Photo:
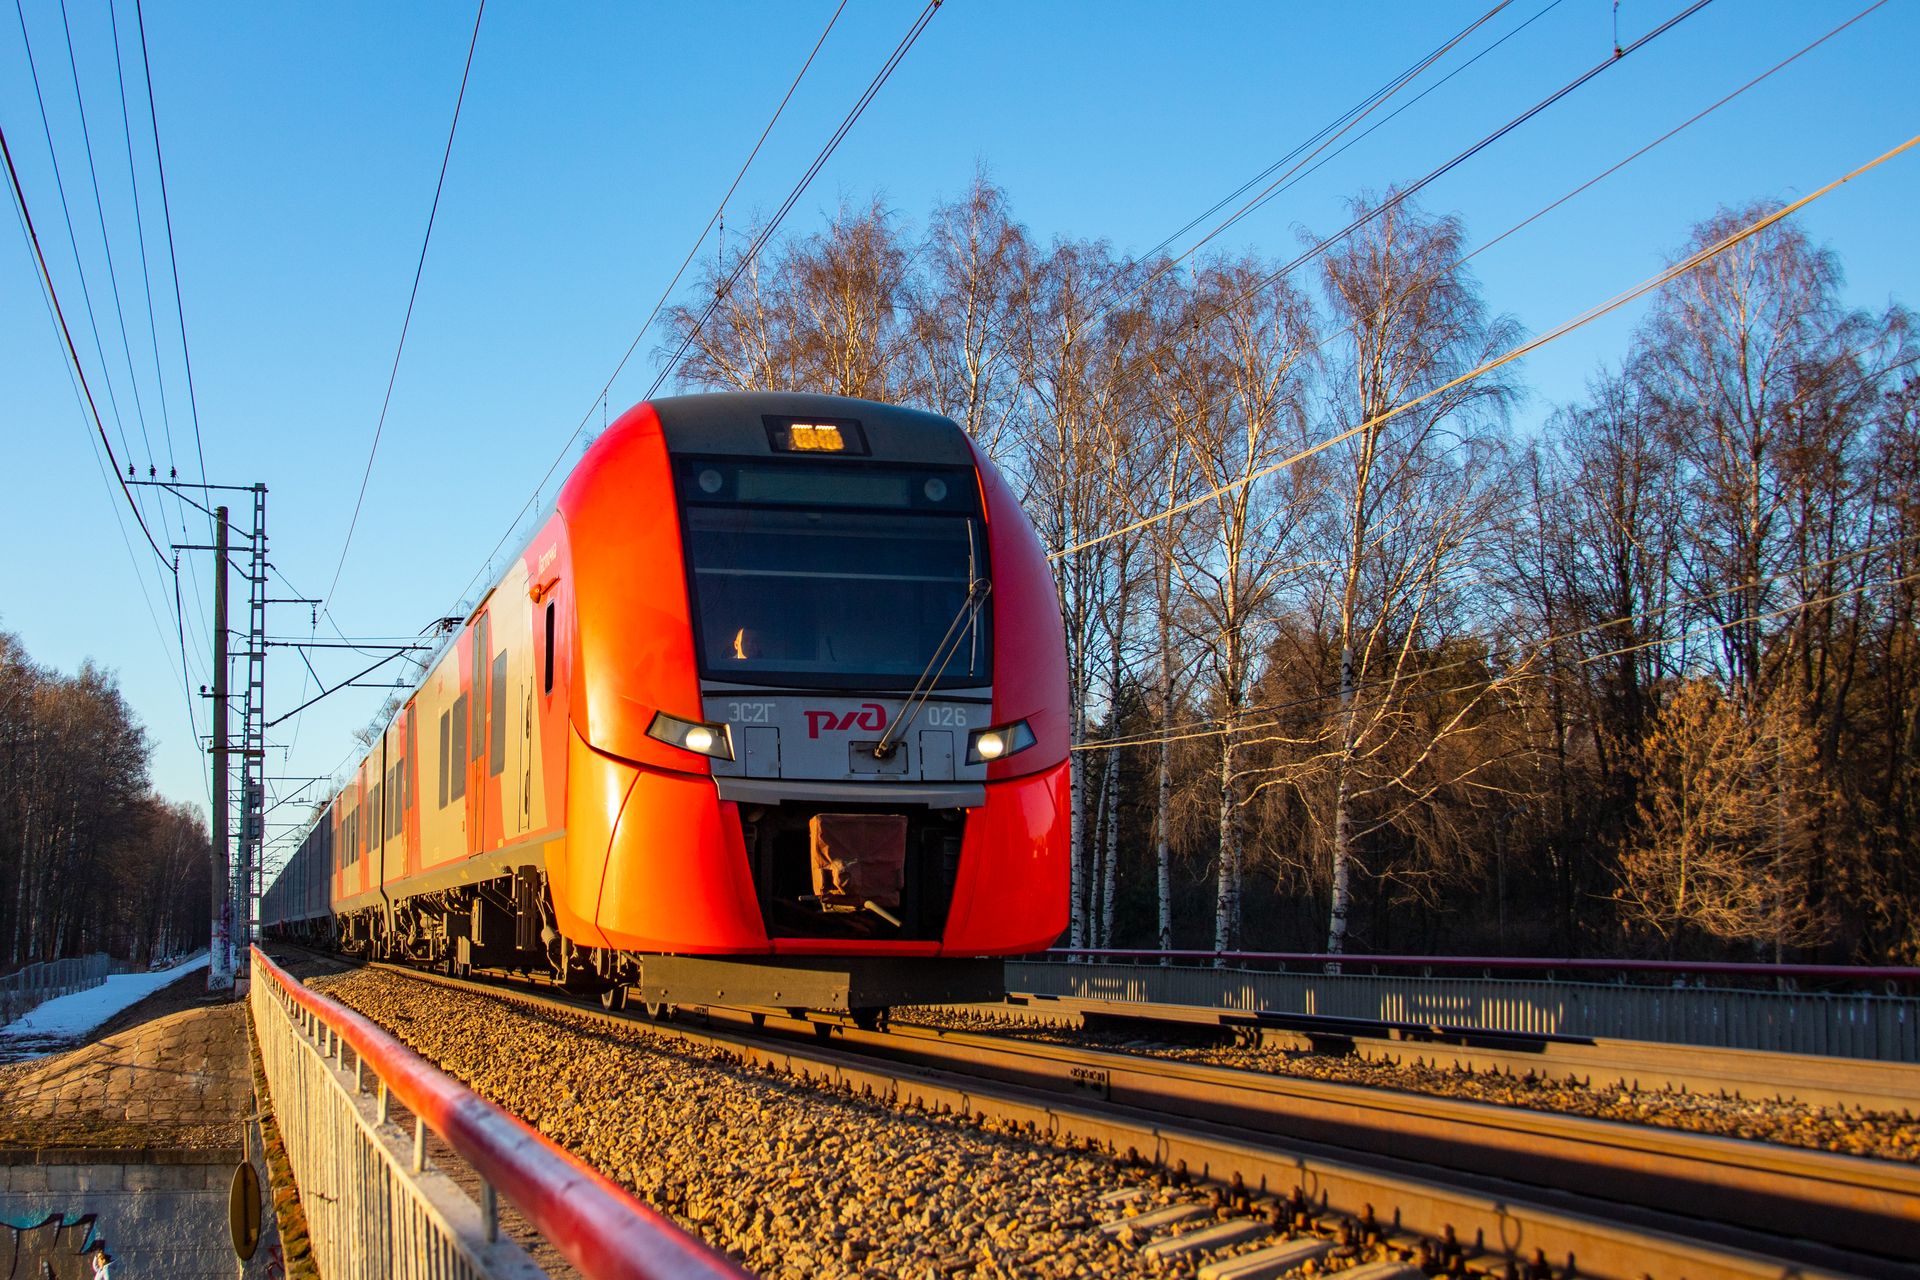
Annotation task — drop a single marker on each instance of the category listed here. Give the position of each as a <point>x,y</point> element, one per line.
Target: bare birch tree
<point>1410,495</point>
<point>1237,379</point>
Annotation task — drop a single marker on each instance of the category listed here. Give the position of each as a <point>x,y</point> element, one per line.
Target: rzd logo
<point>870,716</point>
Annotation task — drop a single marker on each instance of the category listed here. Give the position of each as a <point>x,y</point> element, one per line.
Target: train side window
<point>497,739</point>
<point>444,742</point>
<point>457,775</point>
<point>549,667</point>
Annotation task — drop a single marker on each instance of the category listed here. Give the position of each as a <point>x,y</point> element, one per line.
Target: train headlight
<point>690,735</point>
<point>998,742</point>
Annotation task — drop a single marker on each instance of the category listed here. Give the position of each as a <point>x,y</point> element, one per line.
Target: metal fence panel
<point>43,980</point>
<point>1845,1024</point>
<point>407,1225</point>
<point>374,1210</point>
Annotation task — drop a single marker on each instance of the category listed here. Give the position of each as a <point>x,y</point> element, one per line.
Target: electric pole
<point>220,967</point>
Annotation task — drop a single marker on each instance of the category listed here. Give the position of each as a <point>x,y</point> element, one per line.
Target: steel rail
<point>1904,975</point>
<point>1772,1190</point>
<point>1807,1079</point>
<point>1349,1148</point>
<point>591,1220</point>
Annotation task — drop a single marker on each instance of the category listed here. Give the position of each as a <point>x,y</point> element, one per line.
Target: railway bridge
<point>1120,1113</point>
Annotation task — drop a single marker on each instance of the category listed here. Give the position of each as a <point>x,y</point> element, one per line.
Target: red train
<point>771,710</point>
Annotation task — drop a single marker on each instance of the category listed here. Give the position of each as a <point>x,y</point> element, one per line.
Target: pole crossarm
<point>351,644</point>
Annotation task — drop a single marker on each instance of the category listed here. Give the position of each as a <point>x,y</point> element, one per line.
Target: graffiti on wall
<point>55,1248</point>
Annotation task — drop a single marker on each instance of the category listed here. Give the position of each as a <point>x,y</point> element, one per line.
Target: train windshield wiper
<point>969,615</point>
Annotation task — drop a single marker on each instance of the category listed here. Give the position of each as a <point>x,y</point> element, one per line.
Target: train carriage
<point>770,709</point>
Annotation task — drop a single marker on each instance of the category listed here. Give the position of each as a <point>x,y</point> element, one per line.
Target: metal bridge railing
<point>374,1207</point>
<point>1646,1002</point>
<point>45,979</point>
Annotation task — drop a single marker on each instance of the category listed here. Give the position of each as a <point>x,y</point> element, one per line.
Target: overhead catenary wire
<point>767,233</point>
<point>853,115</point>
<point>413,296</point>
<point>719,211</point>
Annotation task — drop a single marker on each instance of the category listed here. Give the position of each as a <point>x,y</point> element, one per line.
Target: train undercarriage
<point>507,924</point>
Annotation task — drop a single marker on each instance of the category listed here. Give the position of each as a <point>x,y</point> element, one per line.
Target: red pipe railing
<point>591,1220</point>
<point>1766,972</point>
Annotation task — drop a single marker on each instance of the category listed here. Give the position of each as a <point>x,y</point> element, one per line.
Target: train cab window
<point>850,579</point>
<point>549,663</point>
<point>457,773</point>
<point>497,738</point>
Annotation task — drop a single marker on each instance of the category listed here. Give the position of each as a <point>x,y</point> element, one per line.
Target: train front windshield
<point>835,576</point>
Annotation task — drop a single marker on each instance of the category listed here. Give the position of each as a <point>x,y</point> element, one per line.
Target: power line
<point>1401,194</point>
<point>20,199</point>
<point>120,526</point>
<point>153,325</point>
<point>1576,191</point>
<point>1512,354</point>
<point>73,239</point>
<point>173,261</point>
<point>1326,138</point>
<point>140,232</point>
<point>106,241</point>
<point>412,296</point>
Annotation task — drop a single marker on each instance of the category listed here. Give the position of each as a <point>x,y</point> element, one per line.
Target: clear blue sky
<point>302,144</point>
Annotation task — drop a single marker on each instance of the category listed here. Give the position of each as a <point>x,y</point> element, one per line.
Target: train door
<point>476,762</point>
<point>501,809</point>
<point>520,766</point>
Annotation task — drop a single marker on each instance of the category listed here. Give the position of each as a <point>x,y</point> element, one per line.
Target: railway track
<point>1513,1192</point>
<point>1864,1084</point>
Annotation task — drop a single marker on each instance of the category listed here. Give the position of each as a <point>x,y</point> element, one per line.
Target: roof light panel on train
<point>814,435</point>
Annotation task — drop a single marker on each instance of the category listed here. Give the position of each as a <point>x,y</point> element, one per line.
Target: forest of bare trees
<point>90,859</point>
<point>1361,657</point>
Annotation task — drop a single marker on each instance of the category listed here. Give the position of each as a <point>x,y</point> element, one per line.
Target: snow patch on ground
<point>69,1017</point>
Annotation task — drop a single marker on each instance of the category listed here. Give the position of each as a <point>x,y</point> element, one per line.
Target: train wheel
<point>613,999</point>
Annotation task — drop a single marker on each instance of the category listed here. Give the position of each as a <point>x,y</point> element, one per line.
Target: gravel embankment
<point>791,1179</point>
<point>1879,1135</point>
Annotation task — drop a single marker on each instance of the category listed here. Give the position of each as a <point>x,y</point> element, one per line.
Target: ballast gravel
<point>790,1178</point>
<point>1878,1135</point>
